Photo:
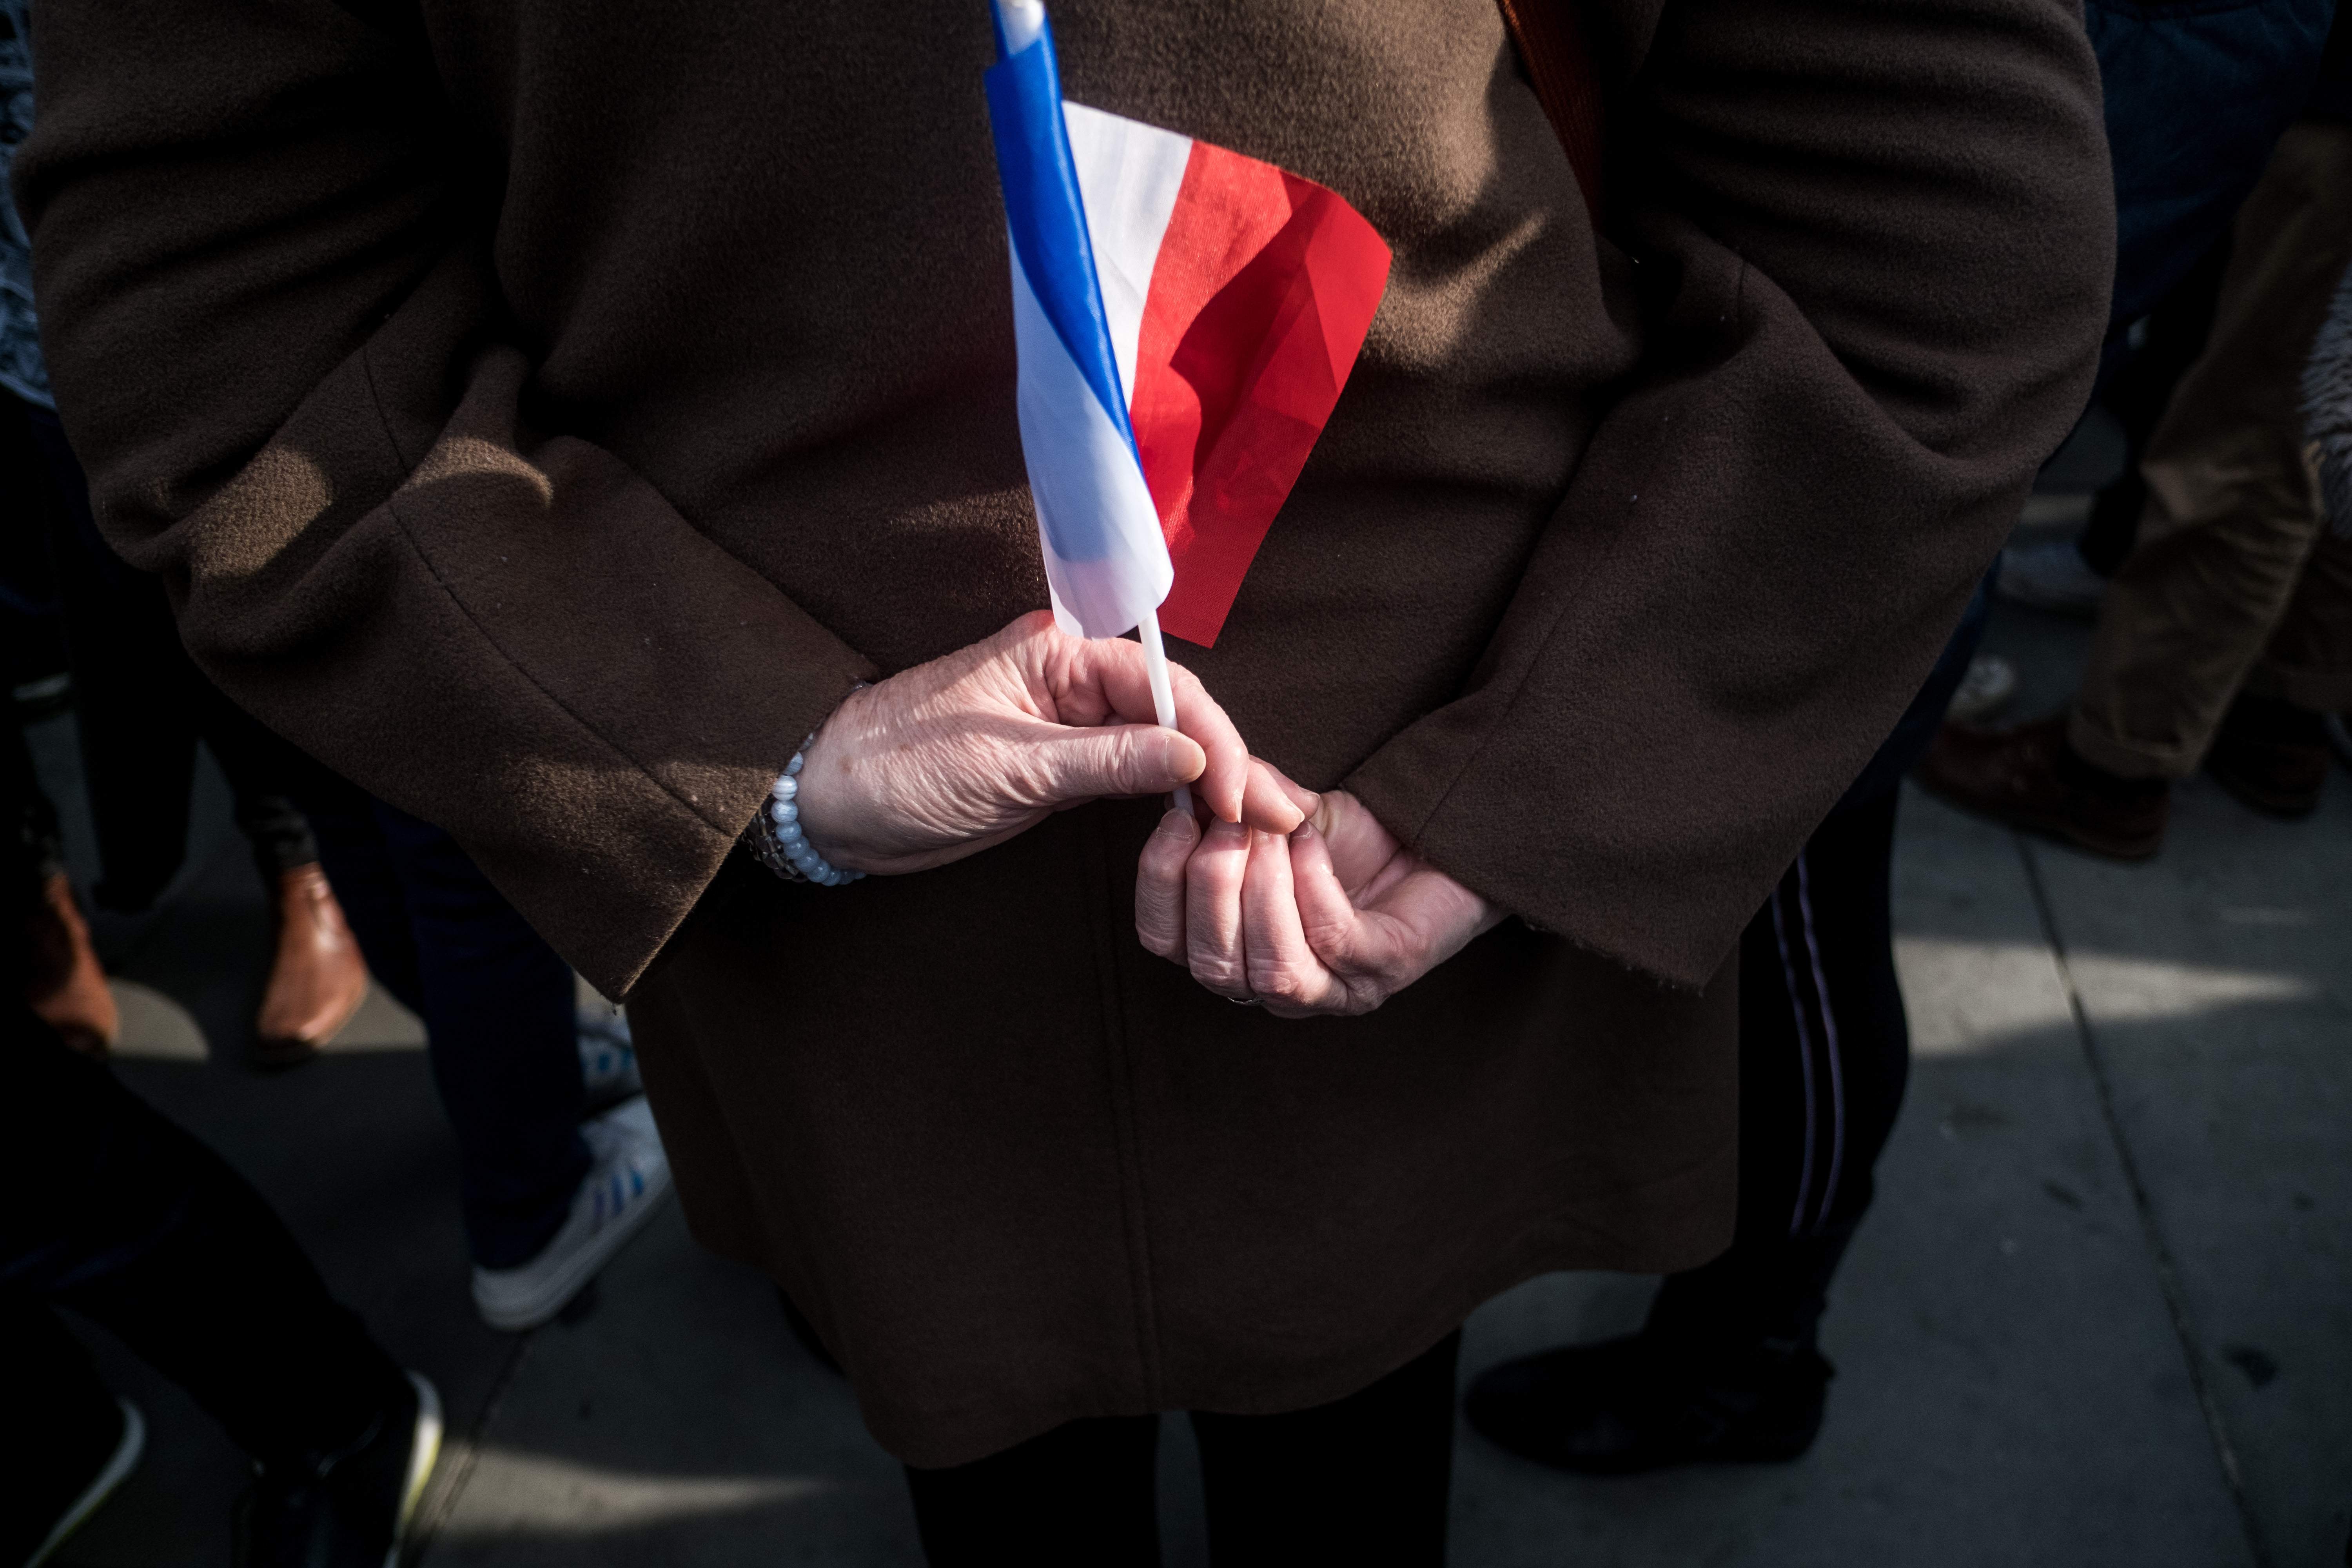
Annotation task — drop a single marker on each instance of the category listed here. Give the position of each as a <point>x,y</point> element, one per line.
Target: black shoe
<point>1628,1405</point>
<point>2271,755</point>
<point>351,1510</point>
<point>53,1485</point>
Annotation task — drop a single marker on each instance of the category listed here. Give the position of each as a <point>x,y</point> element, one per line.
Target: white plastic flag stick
<point>1163,696</point>
<point>1107,563</point>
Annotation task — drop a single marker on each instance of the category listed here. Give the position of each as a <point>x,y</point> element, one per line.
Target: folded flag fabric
<point>1185,319</point>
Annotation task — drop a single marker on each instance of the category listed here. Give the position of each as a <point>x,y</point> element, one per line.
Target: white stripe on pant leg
<point>1804,1059</point>
<point>1830,1035</point>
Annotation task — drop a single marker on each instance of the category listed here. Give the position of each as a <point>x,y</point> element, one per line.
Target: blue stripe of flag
<point>1046,214</point>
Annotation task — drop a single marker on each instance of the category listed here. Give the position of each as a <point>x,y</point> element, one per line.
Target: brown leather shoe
<point>2029,777</point>
<point>318,980</point>
<point>64,981</point>
<point>2271,755</point>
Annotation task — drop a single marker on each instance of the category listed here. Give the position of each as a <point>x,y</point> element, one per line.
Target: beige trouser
<point>2234,581</point>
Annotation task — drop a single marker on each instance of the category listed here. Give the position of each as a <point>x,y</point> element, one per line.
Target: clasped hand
<point>1301,901</point>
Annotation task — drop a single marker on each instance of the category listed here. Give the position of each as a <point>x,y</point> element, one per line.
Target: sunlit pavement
<point>2102,1313</point>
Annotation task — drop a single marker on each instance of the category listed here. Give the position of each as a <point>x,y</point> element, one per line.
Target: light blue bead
<point>790,833</point>
<point>794,766</point>
<point>786,787</point>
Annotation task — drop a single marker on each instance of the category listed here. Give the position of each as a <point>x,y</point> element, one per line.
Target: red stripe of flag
<point>1261,294</point>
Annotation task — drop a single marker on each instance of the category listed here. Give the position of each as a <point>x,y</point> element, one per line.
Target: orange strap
<point>1551,42</point>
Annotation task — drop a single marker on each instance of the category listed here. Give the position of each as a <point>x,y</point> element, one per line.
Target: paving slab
<point>2011,1390</point>
<point>675,1422</point>
<point>2216,985</point>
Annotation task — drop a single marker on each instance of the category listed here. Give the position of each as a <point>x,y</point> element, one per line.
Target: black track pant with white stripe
<point>1823,1053</point>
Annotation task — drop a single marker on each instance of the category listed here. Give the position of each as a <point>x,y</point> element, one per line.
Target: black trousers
<point>119,1214</point>
<point>497,1003</point>
<point>141,704</point>
<point>1362,1481</point>
<point>29,843</point>
<point>1824,1054</point>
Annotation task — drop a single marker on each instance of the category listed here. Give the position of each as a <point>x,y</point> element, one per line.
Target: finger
<point>1271,803</point>
<point>1108,677</point>
<point>1361,849</point>
<point>1159,885</point>
<point>1283,972</point>
<point>1224,774</point>
<point>1213,909</point>
<point>1064,764</point>
<point>1329,921</point>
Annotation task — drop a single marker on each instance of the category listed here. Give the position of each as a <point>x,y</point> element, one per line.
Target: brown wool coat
<point>545,410</point>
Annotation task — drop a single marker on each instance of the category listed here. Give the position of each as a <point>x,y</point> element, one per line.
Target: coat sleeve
<point>1875,238</point>
<point>279,348</point>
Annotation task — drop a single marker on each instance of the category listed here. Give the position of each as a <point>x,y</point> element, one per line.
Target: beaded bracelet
<point>776,841</point>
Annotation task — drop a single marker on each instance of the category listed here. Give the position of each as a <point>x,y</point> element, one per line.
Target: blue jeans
<point>498,1008</point>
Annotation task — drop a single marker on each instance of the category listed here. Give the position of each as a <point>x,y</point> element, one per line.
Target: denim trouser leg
<point>498,1008</point>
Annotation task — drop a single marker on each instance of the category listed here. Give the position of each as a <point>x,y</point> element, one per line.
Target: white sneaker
<point>2051,576</point>
<point>1984,690</point>
<point>627,1178</point>
<point>608,1056</point>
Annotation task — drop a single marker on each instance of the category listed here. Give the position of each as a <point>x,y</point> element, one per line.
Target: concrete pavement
<point>2102,1314</point>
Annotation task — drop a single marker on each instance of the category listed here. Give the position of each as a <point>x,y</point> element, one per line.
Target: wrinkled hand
<point>1337,917</point>
<point>948,758</point>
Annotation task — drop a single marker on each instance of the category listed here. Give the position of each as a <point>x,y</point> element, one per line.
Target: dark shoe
<point>55,1484</point>
<point>318,980</point>
<point>2029,777</point>
<point>2271,755</point>
<point>351,1510</point>
<point>65,983</point>
<point>1628,1405</point>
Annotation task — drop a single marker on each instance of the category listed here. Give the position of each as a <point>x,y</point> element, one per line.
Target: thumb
<point>1126,759</point>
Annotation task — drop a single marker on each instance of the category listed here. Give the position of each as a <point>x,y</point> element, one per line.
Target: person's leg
<point>136,692</point>
<point>125,1218</point>
<point>2232,511</point>
<point>1728,1365</point>
<point>498,1005</point>
<point>316,980</point>
<point>2177,330</point>
<point>1079,1496</point>
<point>359,863</point>
<point>1824,1054</point>
<point>2272,750</point>
<point>48,962</point>
<point>1363,1479</point>
<point>266,776</point>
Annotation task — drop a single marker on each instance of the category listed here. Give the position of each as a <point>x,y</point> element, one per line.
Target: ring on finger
<point>1243,1001</point>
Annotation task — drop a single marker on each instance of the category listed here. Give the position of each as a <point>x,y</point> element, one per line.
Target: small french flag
<point>1186,318</point>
